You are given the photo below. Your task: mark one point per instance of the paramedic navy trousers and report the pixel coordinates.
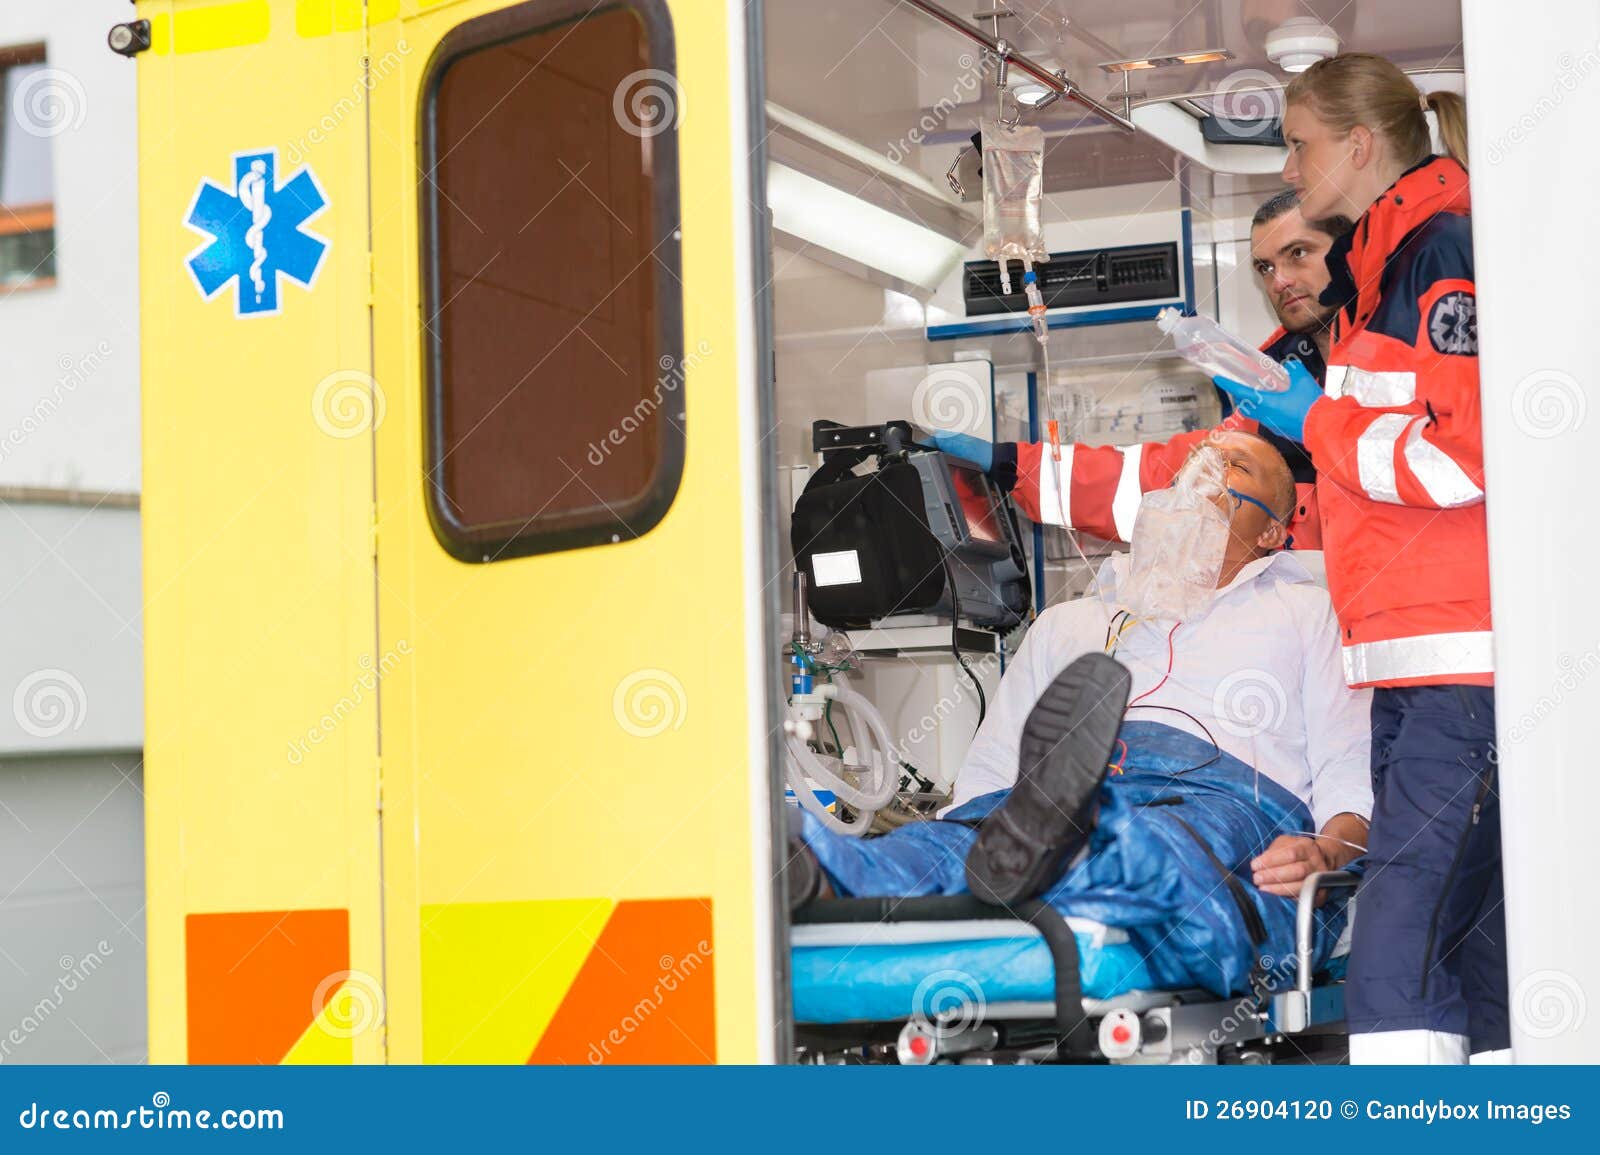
(1428, 947)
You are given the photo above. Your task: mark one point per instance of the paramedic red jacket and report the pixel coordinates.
(1398, 440)
(1105, 482)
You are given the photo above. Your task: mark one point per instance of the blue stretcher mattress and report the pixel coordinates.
(846, 973)
(840, 976)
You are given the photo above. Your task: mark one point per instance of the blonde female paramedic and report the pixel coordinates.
(1396, 439)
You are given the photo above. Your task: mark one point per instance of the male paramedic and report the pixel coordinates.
(1104, 482)
(1251, 665)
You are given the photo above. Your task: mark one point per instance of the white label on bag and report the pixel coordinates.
(836, 569)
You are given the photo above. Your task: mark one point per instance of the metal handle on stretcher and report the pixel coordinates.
(1297, 1006)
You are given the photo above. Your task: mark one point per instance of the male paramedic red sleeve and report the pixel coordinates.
(1103, 482)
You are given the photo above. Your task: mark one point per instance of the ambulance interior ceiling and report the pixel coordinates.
(874, 98)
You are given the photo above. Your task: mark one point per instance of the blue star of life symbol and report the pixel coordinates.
(257, 232)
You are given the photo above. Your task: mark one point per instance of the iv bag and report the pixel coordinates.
(1013, 192)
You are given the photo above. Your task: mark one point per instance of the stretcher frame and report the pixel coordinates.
(1140, 1027)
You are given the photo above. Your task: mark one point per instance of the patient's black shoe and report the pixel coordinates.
(1066, 744)
(803, 873)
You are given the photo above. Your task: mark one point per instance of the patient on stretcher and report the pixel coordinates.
(1162, 864)
(1170, 777)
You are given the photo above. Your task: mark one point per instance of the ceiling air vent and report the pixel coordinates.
(1266, 130)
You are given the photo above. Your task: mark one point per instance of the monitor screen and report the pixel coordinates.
(978, 505)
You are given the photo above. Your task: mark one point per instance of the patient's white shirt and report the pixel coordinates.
(1261, 668)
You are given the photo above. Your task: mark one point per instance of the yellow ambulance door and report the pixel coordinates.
(261, 772)
(573, 603)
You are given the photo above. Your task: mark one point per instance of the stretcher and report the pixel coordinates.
(951, 979)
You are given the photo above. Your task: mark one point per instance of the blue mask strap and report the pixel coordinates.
(1261, 505)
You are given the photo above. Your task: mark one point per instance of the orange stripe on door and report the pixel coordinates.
(645, 994)
(256, 979)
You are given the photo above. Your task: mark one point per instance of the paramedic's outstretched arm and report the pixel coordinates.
(1060, 635)
(1103, 483)
(1339, 752)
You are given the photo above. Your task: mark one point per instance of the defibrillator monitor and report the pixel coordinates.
(979, 504)
(922, 533)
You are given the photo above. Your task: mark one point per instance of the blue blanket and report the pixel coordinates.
(1146, 871)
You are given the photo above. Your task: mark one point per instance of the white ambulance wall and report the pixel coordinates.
(833, 331)
(1235, 298)
(1533, 100)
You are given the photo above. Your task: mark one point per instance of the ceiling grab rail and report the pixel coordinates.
(1060, 85)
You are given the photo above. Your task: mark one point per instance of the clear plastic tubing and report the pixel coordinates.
(1219, 353)
(880, 774)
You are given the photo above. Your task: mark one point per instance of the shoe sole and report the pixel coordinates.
(1066, 744)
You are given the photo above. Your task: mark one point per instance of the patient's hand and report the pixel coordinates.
(1283, 866)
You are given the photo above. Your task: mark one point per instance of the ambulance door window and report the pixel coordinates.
(552, 299)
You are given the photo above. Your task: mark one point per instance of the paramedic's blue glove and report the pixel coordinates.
(1283, 413)
(965, 446)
